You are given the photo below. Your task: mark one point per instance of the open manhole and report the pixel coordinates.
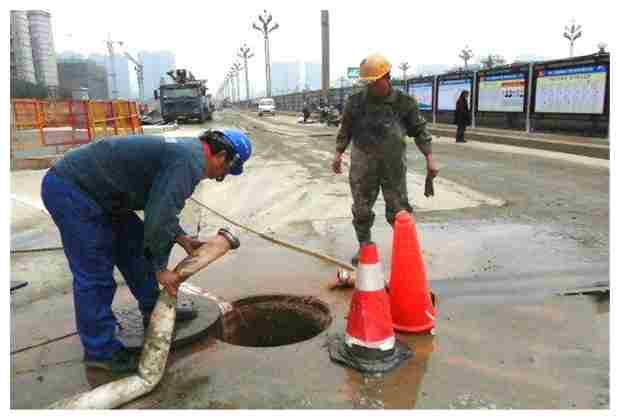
(273, 320)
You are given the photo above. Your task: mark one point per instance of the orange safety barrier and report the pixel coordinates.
(37, 123)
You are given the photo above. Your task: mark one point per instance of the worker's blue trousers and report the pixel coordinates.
(94, 245)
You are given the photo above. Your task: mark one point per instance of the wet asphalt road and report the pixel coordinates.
(504, 338)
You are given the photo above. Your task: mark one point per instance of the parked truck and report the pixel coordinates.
(185, 99)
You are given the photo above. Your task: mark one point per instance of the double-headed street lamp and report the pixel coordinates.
(466, 55)
(265, 19)
(404, 66)
(571, 33)
(244, 52)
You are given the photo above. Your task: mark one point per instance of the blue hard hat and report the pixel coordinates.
(242, 145)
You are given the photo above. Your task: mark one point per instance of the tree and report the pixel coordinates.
(492, 60)
(24, 89)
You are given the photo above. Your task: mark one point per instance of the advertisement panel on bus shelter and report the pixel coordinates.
(501, 93)
(571, 90)
(423, 93)
(449, 92)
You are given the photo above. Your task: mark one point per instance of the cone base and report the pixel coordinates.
(339, 353)
(417, 329)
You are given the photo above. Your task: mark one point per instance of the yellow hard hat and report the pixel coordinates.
(374, 67)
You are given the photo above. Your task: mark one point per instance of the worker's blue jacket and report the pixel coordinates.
(151, 173)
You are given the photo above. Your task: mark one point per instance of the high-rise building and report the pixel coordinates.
(75, 74)
(156, 65)
(42, 43)
(22, 66)
(121, 64)
(33, 57)
(285, 78)
(312, 76)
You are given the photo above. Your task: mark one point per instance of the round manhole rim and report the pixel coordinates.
(319, 322)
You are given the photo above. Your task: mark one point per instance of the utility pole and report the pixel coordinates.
(571, 33)
(265, 19)
(325, 51)
(404, 66)
(237, 69)
(110, 45)
(244, 52)
(466, 55)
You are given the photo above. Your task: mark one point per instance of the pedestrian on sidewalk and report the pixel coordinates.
(92, 193)
(462, 116)
(306, 111)
(376, 120)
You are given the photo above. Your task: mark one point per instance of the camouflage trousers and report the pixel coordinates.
(370, 172)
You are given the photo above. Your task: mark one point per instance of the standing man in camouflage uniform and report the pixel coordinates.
(377, 119)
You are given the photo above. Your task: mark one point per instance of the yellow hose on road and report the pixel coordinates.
(277, 241)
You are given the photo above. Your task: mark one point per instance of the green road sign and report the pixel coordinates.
(353, 72)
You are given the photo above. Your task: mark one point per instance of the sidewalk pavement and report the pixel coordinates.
(584, 146)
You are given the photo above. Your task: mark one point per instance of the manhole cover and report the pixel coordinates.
(273, 320)
(131, 332)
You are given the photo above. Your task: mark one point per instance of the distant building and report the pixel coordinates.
(42, 42)
(22, 66)
(121, 64)
(33, 57)
(285, 78)
(312, 76)
(156, 65)
(75, 75)
(69, 55)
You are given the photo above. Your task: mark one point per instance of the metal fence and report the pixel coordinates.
(36, 124)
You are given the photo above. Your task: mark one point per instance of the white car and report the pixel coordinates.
(266, 106)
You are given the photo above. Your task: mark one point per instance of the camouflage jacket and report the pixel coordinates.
(370, 121)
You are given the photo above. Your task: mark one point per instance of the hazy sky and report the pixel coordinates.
(206, 38)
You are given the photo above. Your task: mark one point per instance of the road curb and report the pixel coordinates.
(589, 150)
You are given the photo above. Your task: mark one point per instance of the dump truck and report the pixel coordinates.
(185, 99)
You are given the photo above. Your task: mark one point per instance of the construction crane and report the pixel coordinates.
(139, 68)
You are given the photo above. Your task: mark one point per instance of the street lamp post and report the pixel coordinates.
(232, 84)
(466, 54)
(237, 69)
(244, 52)
(404, 66)
(231, 92)
(571, 33)
(265, 19)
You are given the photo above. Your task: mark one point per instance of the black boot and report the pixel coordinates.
(122, 361)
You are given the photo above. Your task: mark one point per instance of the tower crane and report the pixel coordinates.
(139, 68)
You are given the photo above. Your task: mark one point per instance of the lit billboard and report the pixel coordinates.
(572, 90)
(449, 92)
(423, 93)
(501, 93)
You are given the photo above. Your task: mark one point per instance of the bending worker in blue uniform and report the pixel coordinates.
(91, 194)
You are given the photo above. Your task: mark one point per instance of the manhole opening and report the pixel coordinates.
(273, 320)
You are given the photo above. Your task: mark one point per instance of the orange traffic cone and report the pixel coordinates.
(369, 344)
(410, 297)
